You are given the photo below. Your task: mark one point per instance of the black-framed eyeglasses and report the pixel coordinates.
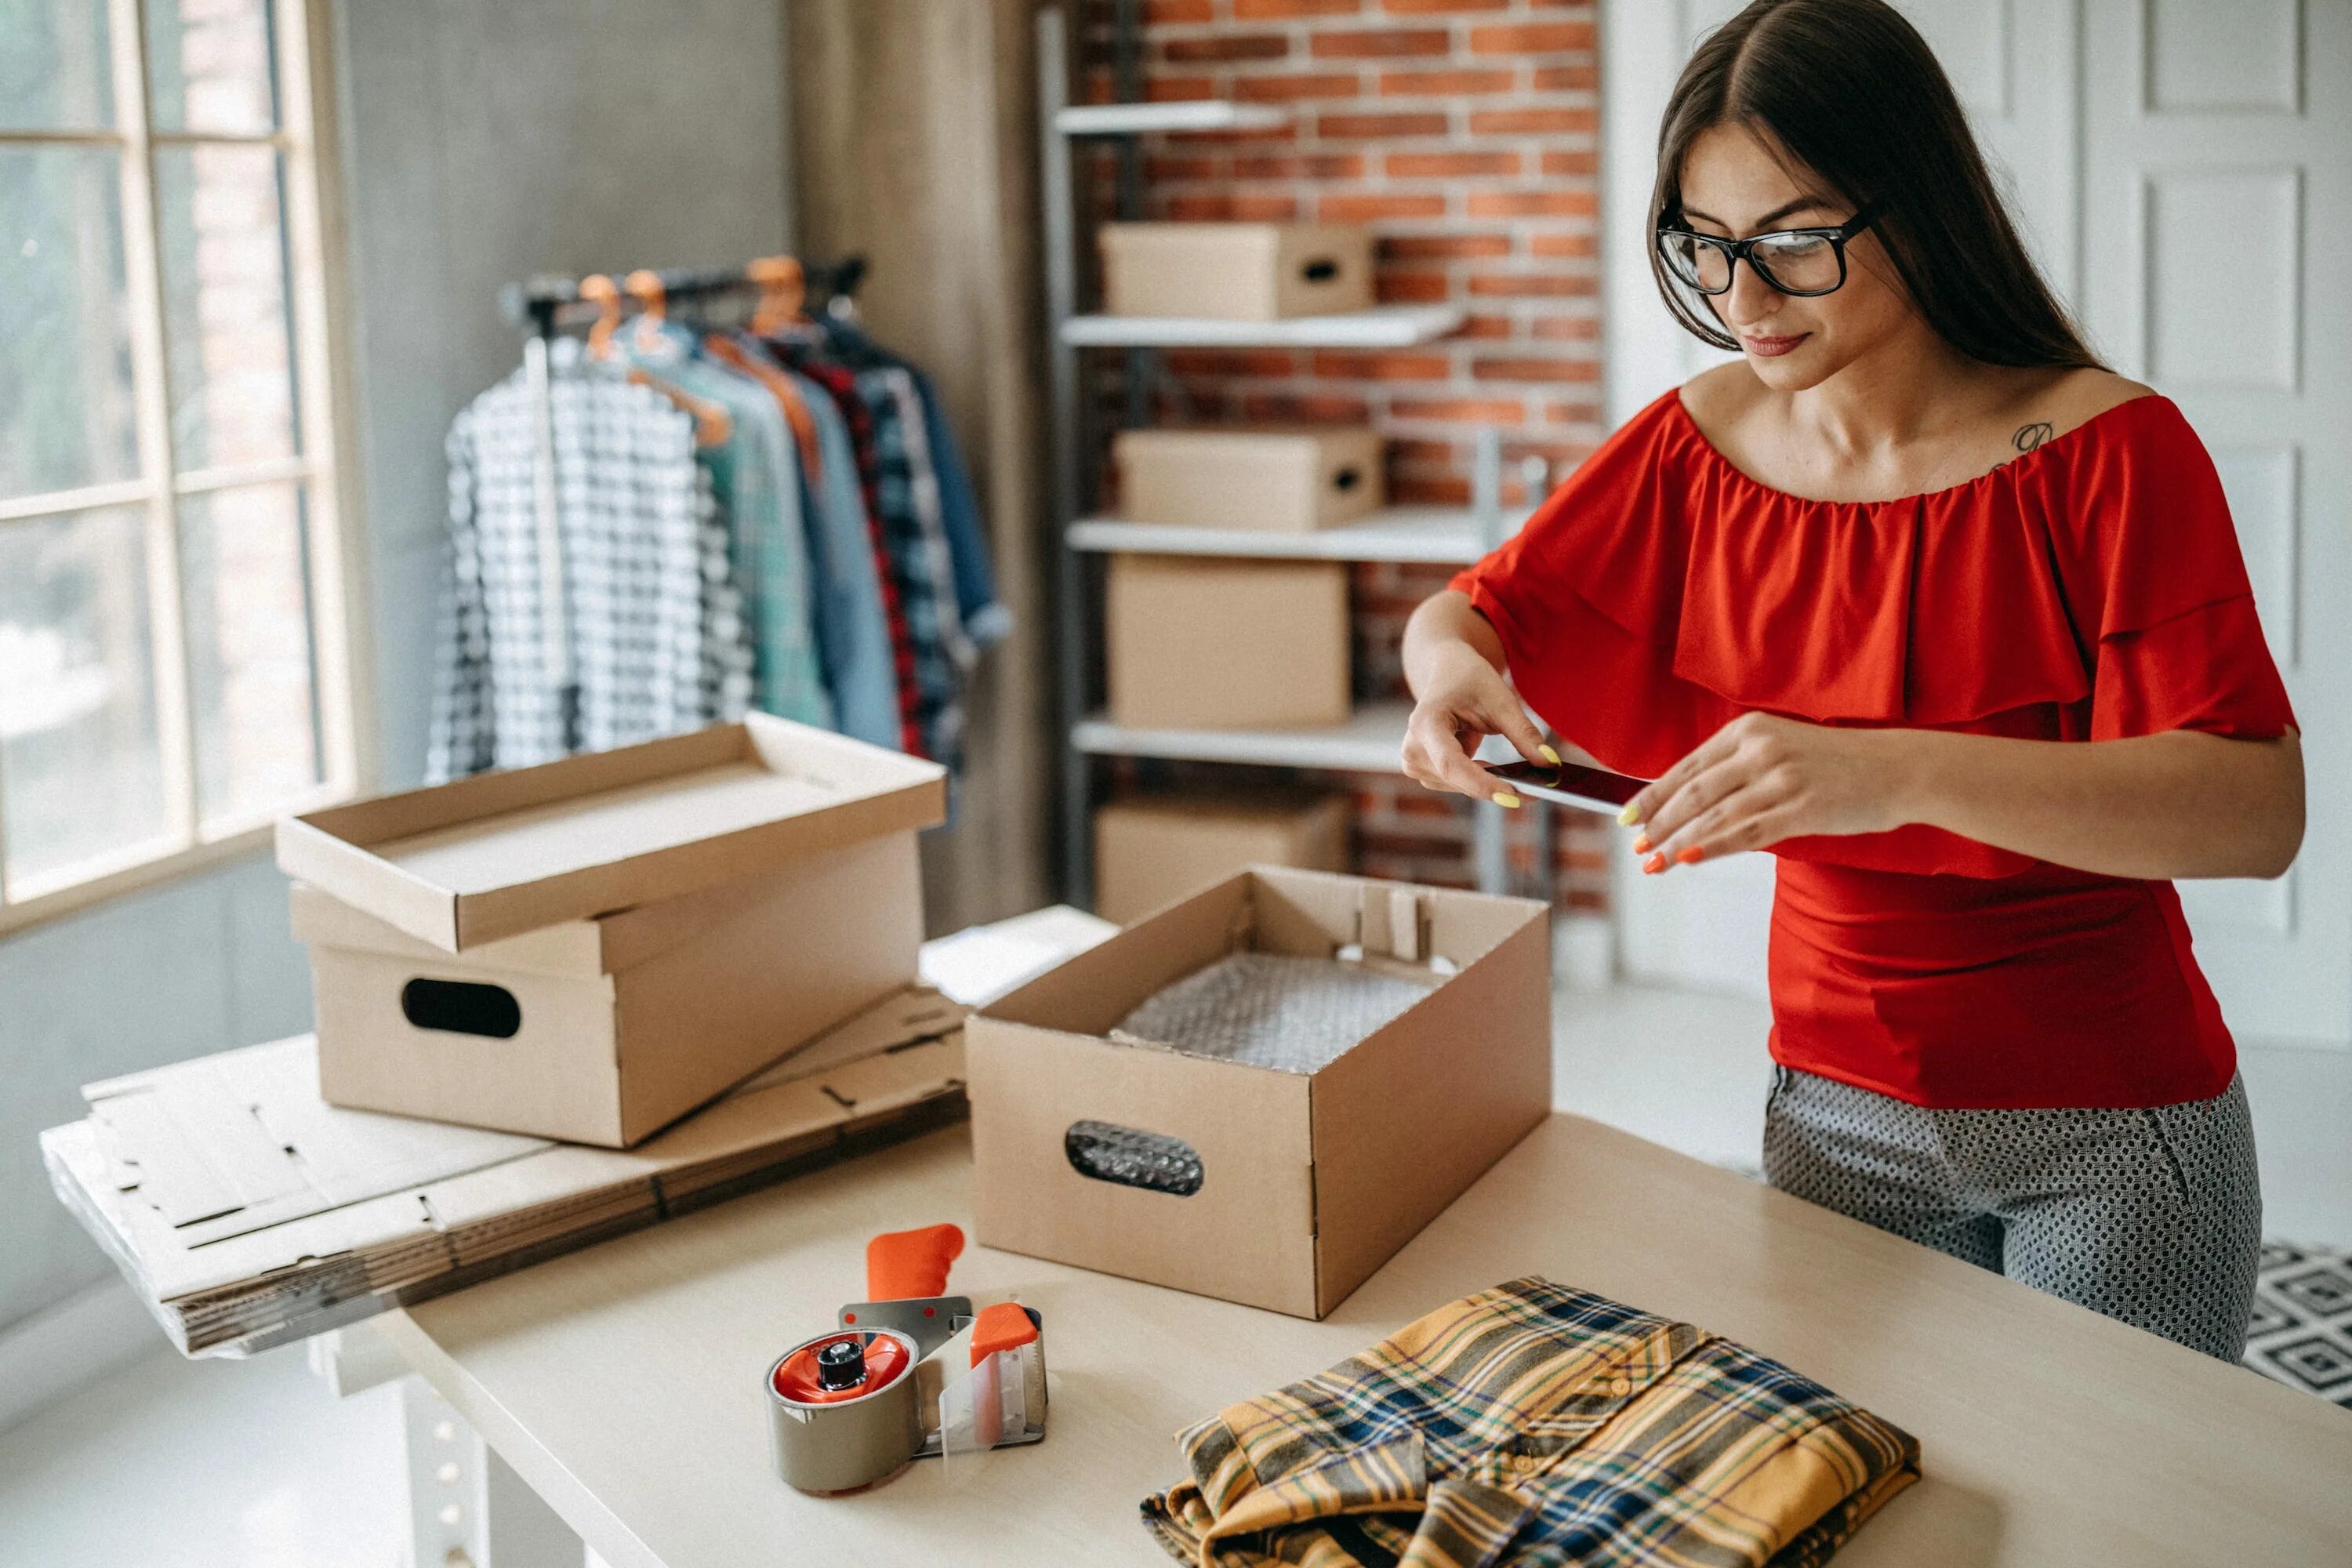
(1805, 262)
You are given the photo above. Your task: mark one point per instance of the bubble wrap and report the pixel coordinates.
(1298, 1015)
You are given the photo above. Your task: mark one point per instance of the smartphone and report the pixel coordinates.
(1571, 783)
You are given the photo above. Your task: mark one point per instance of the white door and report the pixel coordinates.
(2183, 171)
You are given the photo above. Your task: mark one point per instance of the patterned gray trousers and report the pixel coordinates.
(2153, 1216)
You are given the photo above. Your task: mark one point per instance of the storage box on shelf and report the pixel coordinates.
(1195, 641)
(1273, 1188)
(1151, 851)
(1263, 479)
(1236, 271)
(590, 948)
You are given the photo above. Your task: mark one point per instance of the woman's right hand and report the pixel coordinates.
(1460, 699)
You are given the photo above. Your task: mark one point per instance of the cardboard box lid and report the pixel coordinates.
(463, 864)
(1188, 442)
(1272, 807)
(1185, 235)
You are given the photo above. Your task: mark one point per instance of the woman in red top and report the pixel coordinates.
(1952, 619)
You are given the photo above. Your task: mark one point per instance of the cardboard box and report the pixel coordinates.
(1307, 1182)
(1206, 643)
(604, 1031)
(1150, 851)
(1271, 479)
(470, 862)
(1236, 271)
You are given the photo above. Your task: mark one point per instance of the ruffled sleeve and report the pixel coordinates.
(1586, 599)
(2157, 587)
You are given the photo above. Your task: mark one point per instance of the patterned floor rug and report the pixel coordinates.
(2302, 1330)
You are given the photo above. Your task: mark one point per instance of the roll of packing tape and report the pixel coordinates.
(841, 1409)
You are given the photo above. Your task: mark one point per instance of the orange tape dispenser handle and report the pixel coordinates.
(1005, 1326)
(911, 1265)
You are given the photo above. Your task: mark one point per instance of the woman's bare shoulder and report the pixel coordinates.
(2050, 403)
(1719, 398)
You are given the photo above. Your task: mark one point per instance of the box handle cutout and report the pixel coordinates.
(1322, 269)
(461, 1007)
(1348, 479)
(1126, 1158)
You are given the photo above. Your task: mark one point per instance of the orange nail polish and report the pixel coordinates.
(1641, 845)
(1653, 865)
(1692, 855)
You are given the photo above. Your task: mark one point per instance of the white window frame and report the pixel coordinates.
(346, 755)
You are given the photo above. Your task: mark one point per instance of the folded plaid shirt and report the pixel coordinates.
(1535, 1424)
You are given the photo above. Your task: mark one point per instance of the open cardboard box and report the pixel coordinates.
(1307, 1182)
(461, 864)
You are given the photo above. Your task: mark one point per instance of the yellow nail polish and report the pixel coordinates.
(1548, 756)
(1629, 816)
(1504, 797)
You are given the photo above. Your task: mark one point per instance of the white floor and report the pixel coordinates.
(170, 1463)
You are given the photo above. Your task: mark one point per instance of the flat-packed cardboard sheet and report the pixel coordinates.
(462, 864)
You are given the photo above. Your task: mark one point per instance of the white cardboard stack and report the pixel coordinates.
(248, 1213)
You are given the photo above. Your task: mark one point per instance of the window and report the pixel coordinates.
(172, 641)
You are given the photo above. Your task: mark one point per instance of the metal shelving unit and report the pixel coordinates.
(1370, 741)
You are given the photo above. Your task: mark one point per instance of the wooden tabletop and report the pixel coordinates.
(624, 1381)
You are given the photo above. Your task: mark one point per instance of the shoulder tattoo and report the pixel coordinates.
(2029, 437)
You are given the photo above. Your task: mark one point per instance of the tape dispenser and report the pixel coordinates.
(912, 1373)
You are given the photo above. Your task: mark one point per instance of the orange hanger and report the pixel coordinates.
(783, 290)
(713, 425)
(607, 296)
(653, 304)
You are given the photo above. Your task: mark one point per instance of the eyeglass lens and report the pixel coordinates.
(1794, 263)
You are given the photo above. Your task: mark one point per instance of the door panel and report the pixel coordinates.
(2217, 151)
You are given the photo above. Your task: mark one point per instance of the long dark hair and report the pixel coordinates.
(1851, 90)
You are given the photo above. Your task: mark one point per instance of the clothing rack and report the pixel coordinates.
(546, 305)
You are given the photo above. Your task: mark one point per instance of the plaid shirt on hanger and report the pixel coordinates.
(1533, 1422)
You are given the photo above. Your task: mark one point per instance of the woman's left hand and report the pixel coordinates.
(1761, 779)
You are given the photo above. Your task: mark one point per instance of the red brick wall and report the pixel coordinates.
(1463, 133)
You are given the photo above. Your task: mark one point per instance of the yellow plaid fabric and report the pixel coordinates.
(1535, 1424)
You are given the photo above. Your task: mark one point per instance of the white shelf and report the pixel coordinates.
(1371, 742)
(1140, 119)
(1443, 535)
(1382, 327)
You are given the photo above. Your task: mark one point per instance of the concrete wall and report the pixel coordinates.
(480, 143)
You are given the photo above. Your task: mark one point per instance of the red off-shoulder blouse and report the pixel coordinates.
(2087, 590)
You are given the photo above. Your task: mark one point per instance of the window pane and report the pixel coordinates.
(222, 253)
(65, 417)
(210, 66)
(80, 772)
(244, 569)
(54, 71)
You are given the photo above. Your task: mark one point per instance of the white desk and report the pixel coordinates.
(624, 1382)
